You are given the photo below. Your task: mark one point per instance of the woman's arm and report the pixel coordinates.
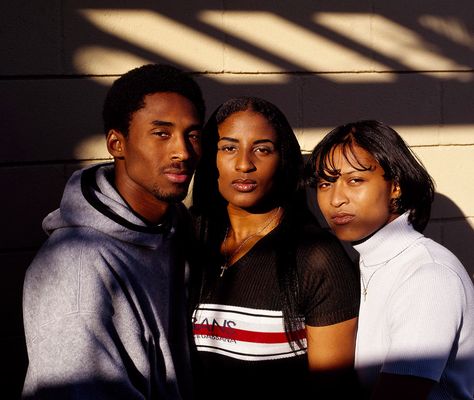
(331, 347)
(331, 351)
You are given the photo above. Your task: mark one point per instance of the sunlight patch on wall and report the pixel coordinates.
(295, 45)
(185, 46)
(414, 135)
(394, 41)
(450, 28)
(93, 147)
(97, 59)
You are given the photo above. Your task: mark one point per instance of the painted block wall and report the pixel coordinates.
(407, 63)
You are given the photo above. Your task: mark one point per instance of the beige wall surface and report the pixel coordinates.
(407, 63)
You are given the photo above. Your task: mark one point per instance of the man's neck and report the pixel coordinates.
(145, 205)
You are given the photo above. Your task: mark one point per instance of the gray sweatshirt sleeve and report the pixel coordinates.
(79, 345)
(78, 357)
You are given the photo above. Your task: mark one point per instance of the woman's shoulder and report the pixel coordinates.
(311, 235)
(303, 231)
(318, 248)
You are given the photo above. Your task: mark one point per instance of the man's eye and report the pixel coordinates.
(161, 133)
(196, 136)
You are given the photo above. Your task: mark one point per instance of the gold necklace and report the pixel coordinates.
(366, 287)
(229, 258)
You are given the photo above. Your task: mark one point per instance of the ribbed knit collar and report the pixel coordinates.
(388, 242)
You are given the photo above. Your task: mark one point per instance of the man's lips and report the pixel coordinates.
(177, 175)
(342, 218)
(244, 185)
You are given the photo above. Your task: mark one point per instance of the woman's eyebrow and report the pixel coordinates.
(264, 141)
(228, 139)
(355, 171)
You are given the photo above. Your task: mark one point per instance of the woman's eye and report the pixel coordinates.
(323, 185)
(263, 150)
(355, 181)
(227, 148)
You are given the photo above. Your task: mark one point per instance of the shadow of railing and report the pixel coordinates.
(51, 107)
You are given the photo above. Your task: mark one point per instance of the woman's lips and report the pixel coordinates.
(342, 219)
(244, 185)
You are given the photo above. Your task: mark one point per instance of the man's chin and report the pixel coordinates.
(174, 197)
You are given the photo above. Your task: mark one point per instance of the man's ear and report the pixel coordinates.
(115, 143)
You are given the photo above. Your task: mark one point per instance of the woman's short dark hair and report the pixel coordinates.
(399, 163)
(289, 177)
(127, 93)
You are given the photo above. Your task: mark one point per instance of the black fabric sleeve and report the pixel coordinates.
(329, 280)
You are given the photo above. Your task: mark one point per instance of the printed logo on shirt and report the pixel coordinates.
(243, 333)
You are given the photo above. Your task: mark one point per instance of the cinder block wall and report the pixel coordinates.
(407, 63)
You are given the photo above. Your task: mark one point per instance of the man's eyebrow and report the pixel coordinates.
(158, 122)
(236, 140)
(195, 127)
(192, 127)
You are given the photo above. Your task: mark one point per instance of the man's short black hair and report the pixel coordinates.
(128, 92)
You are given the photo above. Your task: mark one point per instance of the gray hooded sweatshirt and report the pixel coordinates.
(104, 300)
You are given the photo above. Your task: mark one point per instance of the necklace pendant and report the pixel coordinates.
(364, 293)
(229, 256)
(223, 269)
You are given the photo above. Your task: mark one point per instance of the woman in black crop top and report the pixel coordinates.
(278, 299)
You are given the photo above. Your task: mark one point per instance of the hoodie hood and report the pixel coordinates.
(91, 201)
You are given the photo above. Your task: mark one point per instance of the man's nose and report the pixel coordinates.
(180, 148)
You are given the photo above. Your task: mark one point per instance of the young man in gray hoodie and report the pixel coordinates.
(104, 299)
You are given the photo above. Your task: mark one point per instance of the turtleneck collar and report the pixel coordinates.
(388, 242)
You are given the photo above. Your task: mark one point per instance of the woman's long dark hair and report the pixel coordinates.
(210, 209)
(400, 165)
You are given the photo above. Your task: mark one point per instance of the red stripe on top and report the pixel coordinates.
(243, 335)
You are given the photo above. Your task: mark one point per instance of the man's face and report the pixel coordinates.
(161, 150)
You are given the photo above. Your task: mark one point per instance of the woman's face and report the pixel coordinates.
(358, 203)
(247, 159)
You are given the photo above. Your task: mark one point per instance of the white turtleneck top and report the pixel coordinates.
(416, 313)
